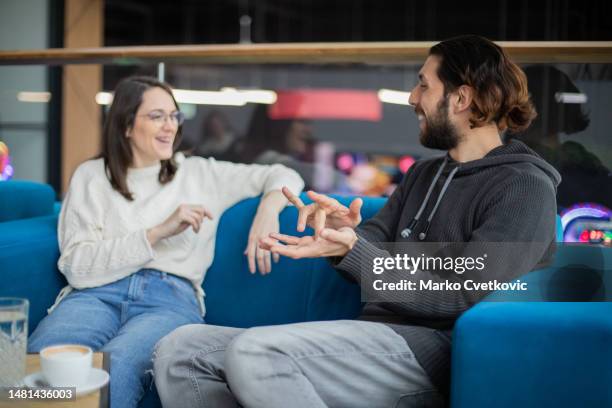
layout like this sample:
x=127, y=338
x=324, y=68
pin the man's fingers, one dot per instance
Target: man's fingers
x=287, y=251
x=303, y=215
x=285, y=238
x=355, y=208
x=319, y=221
x=328, y=203
x=276, y=257
x=295, y=200
x=267, y=243
x=334, y=236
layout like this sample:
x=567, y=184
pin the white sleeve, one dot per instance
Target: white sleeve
x=235, y=182
x=87, y=259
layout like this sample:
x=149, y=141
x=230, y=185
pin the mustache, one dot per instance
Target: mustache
x=418, y=110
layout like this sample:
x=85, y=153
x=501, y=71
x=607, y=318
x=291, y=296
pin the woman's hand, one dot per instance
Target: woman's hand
x=325, y=212
x=265, y=223
x=330, y=243
x=183, y=217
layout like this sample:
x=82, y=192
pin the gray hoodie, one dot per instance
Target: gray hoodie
x=507, y=196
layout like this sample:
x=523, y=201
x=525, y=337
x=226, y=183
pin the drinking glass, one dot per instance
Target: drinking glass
x=13, y=340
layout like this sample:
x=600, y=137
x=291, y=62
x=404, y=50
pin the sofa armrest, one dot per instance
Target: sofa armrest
x=533, y=354
x=28, y=263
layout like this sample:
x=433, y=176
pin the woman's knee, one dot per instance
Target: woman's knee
x=47, y=334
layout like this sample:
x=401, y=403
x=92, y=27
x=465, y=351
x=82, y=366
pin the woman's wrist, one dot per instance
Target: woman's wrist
x=153, y=236
x=273, y=201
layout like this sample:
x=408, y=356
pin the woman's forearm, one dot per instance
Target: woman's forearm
x=273, y=200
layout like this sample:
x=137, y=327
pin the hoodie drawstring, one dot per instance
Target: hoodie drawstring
x=423, y=234
x=406, y=232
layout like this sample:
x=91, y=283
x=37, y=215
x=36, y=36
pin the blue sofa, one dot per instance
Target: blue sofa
x=505, y=354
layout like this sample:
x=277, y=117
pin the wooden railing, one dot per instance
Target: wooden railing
x=301, y=53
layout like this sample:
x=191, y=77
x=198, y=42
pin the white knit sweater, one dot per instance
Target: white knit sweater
x=102, y=236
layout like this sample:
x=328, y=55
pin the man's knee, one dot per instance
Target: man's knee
x=187, y=347
x=253, y=357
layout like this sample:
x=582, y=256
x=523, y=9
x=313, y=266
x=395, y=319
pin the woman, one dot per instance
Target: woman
x=137, y=233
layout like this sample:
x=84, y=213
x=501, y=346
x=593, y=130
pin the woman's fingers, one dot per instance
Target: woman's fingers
x=204, y=213
x=251, y=250
x=191, y=219
x=267, y=261
x=261, y=263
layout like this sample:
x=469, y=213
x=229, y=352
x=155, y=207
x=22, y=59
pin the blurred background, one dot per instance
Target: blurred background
x=344, y=126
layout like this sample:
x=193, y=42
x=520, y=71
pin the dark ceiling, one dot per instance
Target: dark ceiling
x=140, y=22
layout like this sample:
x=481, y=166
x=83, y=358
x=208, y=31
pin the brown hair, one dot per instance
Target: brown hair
x=500, y=86
x=116, y=149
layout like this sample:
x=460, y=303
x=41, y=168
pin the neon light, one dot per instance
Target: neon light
x=584, y=210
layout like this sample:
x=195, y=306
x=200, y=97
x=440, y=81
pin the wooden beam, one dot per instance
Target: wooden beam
x=81, y=119
x=303, y=53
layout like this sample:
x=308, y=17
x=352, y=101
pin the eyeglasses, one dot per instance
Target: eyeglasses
x=159, y=117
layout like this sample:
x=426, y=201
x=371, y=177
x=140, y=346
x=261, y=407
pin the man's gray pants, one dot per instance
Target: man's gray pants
x=343, y=363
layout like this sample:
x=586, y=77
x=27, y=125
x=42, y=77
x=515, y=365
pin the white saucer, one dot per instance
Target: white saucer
x=97, y=379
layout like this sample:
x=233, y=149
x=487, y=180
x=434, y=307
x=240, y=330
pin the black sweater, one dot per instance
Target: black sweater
x=507, y=196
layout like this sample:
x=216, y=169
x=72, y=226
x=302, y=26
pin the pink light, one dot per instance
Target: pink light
x=405, y=163
x=345, y=162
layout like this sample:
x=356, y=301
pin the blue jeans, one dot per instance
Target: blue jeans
x=125, y=318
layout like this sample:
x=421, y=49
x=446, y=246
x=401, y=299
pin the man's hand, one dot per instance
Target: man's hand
x=324, y=212
x=330, y=243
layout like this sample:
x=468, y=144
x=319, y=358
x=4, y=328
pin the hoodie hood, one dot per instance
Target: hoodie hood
x=512, y=152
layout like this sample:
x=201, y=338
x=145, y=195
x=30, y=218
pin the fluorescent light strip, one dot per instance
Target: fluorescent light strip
x=35, y=97
x=262, y=96
x=395, y=97
x=569, y=97
x=209, y=97
x=227, y=96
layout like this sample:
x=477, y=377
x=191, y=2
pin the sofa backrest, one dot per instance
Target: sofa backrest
x=21, y=199
x=296, y=290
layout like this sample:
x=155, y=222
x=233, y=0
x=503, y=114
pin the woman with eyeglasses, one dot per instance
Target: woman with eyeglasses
x=137, y=233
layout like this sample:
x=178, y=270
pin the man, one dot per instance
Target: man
x=399, y=353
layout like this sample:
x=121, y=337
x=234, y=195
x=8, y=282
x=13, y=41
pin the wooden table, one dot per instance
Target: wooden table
x=98, y=399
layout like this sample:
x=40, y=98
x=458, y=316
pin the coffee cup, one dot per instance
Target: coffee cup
x=66, y=365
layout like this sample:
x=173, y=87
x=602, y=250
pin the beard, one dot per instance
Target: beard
x=439, y=132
